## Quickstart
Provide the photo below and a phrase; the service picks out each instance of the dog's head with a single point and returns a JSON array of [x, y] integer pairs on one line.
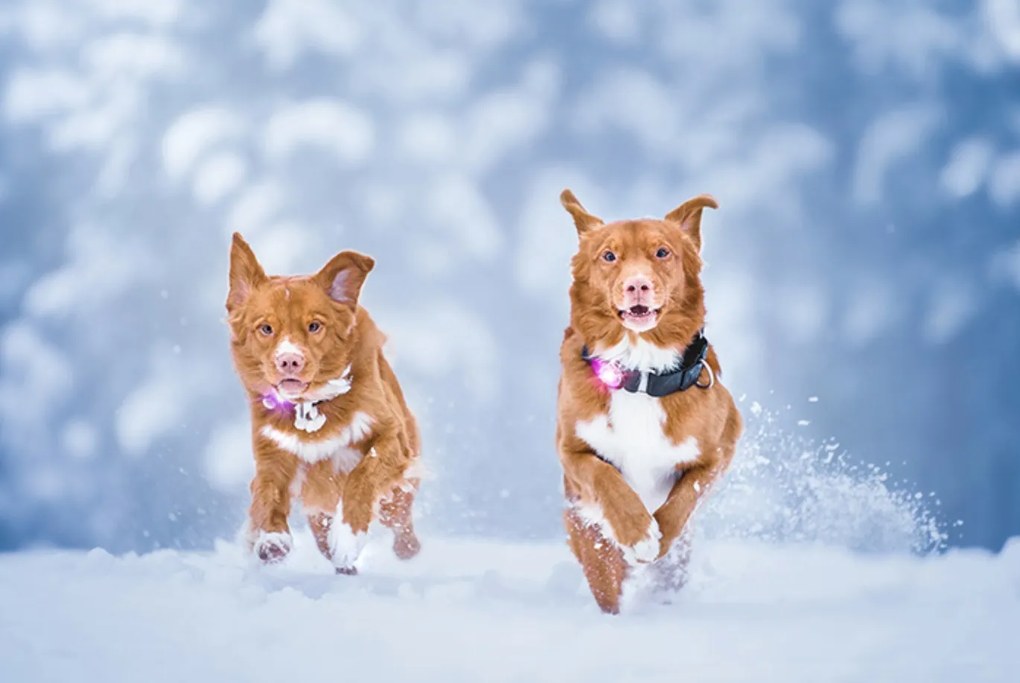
[[293, 334], [639, 275]]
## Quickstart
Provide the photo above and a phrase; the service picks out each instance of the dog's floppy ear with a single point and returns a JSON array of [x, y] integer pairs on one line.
[[583, 220], [688, 215], [344, 275], [245, 272]]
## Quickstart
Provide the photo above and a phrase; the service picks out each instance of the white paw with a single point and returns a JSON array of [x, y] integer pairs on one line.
[[272, 546], [644, 551], [647, 549], [345, 544]]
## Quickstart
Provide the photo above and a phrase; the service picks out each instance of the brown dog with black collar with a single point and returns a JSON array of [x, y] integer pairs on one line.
[[644, 425]]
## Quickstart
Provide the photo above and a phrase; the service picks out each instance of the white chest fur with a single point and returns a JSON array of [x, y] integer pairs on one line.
[[631, 437], [339, 448]]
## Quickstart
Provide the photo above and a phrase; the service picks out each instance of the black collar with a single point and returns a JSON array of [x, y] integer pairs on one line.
[[660, 384]]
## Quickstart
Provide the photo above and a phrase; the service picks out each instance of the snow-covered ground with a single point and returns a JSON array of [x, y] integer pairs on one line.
[[476, 610]]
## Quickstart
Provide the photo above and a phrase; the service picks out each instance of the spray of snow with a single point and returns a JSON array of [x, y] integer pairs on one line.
[[784, 487]]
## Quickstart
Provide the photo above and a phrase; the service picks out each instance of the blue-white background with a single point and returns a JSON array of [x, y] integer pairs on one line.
[[863, 270]]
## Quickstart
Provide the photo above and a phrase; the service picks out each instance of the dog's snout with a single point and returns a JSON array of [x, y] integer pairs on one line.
[[638, 284], [636, 290], [290, 363]]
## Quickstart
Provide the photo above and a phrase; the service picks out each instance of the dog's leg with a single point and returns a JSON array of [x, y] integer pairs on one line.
[[602, 561], [630, 524], [269, 535], [320, 496], [694, 483], [378, 472], [672, 516], [319, 522], [395, 513]]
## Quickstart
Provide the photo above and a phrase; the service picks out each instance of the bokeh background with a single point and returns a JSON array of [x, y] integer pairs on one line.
[[863, 270]]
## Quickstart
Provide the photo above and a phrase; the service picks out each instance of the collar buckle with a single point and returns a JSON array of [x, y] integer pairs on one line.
[[711, 377]]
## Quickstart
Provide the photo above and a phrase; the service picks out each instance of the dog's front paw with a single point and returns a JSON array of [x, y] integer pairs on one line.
[[647, 549], [346, 545], [272, 546]]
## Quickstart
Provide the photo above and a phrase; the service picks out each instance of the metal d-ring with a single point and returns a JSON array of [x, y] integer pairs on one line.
[[711, 377]]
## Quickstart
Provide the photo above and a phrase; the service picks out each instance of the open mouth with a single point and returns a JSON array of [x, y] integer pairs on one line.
[[291, 388], [639, 318]]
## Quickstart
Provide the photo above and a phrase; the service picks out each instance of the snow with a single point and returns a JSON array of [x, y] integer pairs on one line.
[[123, 178], [133, 55], [227, 460], [471, 609], [280, 245], [289, 28], [1005, 265], [456, 204], [890, 138], [193, 133], [80, 438], [616, 20], [256, 206], [967, 166], [144, 11], [953, 305], [1003, 21], [545, 240], [508, 120], [881, 45], [329, 124], [424, 344], [152, 409], [42, 92], [427, 137], [40, 376], [872, 307], [1004, 185], [217, 177]]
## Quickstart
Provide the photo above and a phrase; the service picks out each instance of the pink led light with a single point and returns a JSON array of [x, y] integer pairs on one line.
[[272, 401], [609, 374]]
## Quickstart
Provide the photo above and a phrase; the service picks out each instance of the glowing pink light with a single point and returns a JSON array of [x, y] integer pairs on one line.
[[609, 374], [272, 401]]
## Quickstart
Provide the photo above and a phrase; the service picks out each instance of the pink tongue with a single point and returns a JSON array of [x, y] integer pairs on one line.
[[292, 385]]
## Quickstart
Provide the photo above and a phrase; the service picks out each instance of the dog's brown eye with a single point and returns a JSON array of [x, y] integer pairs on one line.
[[314, 326], [608, 256], [266, 329], [663, 252]]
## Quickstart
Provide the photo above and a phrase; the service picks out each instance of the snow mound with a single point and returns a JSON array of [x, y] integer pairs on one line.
[[470, 610]]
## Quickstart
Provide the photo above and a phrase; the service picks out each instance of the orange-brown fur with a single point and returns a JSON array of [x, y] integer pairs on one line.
[[382, 484], [708, 415]]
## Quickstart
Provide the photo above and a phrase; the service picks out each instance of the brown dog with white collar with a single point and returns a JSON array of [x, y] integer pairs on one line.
[[644, 425], [330, 426]]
